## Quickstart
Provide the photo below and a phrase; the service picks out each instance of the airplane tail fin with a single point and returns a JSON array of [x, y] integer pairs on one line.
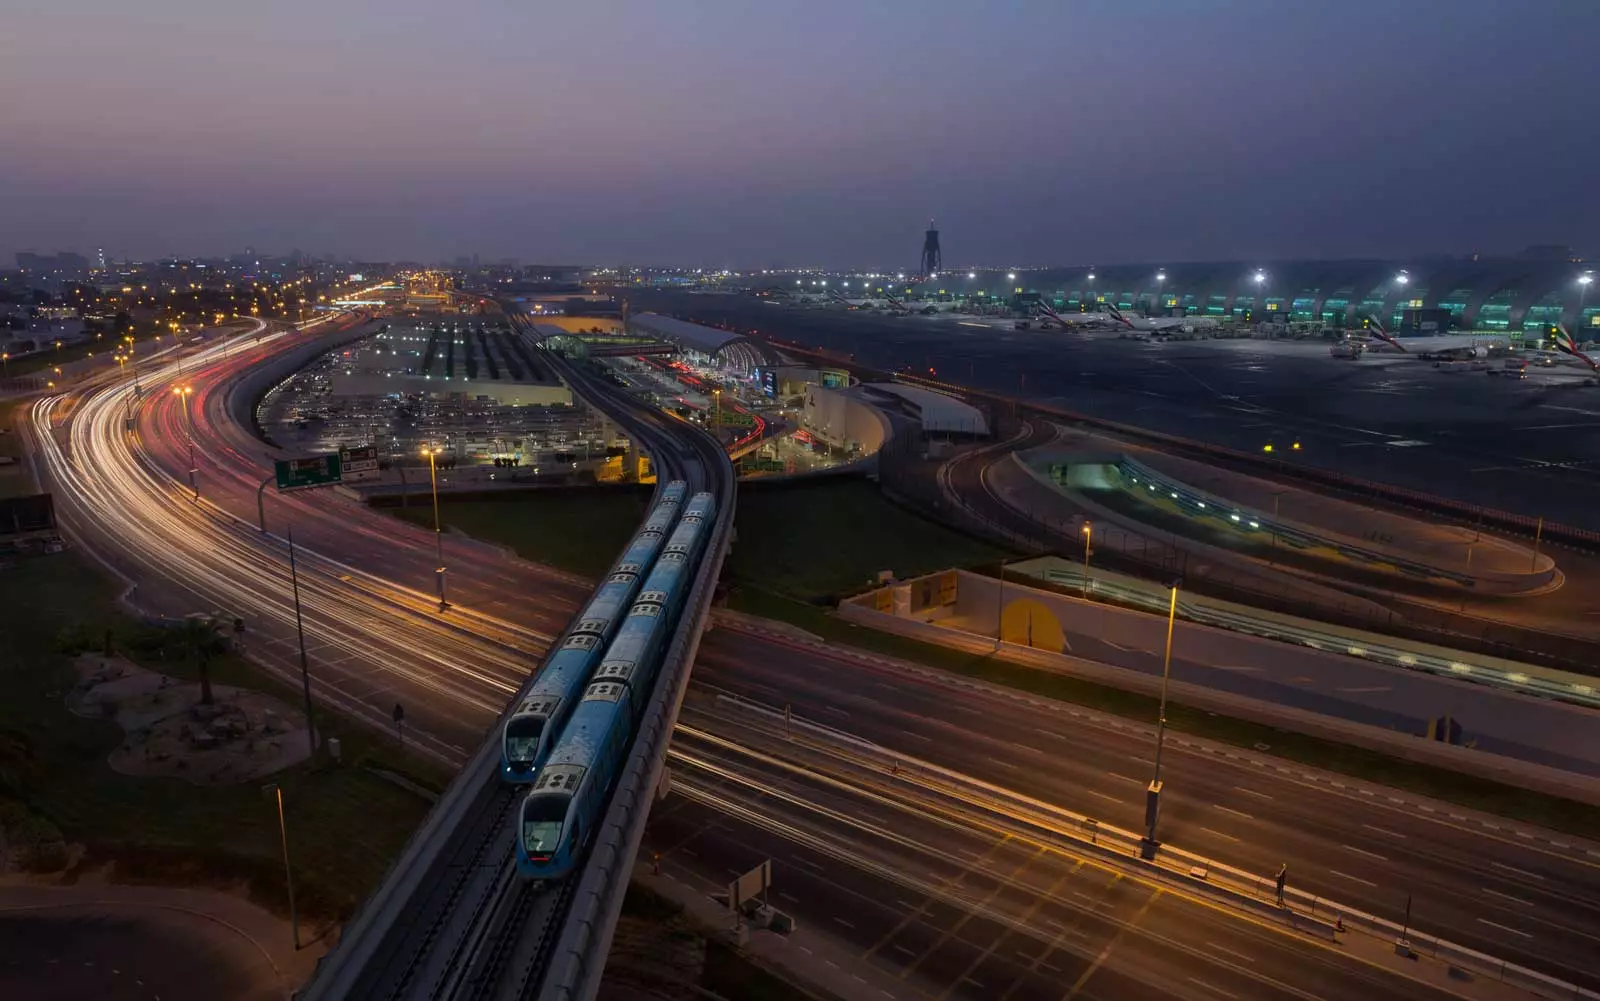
[[1383, 335], [1116, 314], [1566, 345]]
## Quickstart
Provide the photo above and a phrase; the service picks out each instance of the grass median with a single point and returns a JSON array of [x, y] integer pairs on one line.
[[345, 822]]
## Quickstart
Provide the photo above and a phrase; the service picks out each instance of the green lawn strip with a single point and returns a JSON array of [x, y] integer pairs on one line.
[[15, 478], [345, 823], [830, 537], [580, 531], [1471, 791]]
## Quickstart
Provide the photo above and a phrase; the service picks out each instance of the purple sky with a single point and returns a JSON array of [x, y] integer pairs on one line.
[[764, 132]]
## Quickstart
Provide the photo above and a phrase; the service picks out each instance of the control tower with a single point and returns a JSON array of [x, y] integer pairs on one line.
[[932, 261]]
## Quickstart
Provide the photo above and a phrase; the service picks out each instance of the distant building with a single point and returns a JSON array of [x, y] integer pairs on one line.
[[1529, 292]]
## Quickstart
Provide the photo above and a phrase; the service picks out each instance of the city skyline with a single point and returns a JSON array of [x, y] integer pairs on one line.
[[799, 134]]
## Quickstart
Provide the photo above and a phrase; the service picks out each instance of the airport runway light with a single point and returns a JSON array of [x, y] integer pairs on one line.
[[1152, 806], [438, 528]]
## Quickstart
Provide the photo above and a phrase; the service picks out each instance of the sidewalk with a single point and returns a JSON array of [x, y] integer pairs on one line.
[[806, 955], [255, 945]]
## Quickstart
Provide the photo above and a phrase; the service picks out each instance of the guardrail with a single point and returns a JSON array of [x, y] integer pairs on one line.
[[1182, 868], [1532, 681], [579, 957], [1212, 508]]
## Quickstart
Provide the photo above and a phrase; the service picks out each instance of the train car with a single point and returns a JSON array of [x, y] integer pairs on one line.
[[546, 702], [573, 783], [632, 657], [558, 815]]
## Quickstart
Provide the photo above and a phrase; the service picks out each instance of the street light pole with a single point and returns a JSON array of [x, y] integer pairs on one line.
[[1152, 804], [438, 527], [1088, 530], [288, 874], [300, 634]]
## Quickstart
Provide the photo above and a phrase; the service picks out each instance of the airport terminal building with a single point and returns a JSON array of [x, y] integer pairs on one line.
[[1507, 294]]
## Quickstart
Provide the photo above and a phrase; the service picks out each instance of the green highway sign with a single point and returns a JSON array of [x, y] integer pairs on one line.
[[313, 471]]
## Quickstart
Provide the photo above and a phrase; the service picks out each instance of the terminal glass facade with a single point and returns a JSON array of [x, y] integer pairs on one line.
[[1544, 314], [1305, 305], [1495, 314], [1216, 305], [1337, 305], [1456, 302]]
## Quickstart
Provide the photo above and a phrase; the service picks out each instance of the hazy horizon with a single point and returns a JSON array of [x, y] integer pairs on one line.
[[799, 134]]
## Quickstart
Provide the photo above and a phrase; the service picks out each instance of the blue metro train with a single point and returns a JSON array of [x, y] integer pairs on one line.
[[547, 701], [572, 784]]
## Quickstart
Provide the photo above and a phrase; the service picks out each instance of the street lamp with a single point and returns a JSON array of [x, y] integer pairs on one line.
[[1152, 801], [1088, 531], [288, 875], [438, 528], [183, 392], [1583, 294], [1261, 276]]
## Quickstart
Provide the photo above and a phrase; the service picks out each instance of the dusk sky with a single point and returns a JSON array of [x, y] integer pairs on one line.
[[770, 132]]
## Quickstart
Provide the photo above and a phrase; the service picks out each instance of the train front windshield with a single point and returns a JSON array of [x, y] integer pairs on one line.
[[542, 817], [522, 741]]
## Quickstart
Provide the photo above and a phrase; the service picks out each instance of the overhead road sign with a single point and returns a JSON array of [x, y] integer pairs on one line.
[[312, 471], [358, 463]]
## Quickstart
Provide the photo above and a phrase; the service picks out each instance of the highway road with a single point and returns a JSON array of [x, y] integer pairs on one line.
[[1530, 902], [1530, 446], [374, 640], [955, 902], [372, 643]]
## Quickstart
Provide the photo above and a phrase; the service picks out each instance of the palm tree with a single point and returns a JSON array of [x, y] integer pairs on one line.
[[201, 640]]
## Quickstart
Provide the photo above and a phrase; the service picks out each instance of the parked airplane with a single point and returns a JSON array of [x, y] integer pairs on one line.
[[1161, 323], [1442, 348]]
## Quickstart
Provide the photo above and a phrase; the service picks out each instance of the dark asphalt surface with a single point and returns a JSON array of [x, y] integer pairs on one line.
[[956, 913], [1495, 892], [65, 957], [1531, 446]]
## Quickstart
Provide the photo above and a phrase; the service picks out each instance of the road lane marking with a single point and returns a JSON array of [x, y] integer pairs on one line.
[[1124, 778], [1212, 987], [1102, 795], [1507, 896], [1229, 809], [1050, 733], [844, 922], [1519, 872], [1236, 955], [1252, 792], [919, 736], [1353, 879], [1496, 924], [1385, 833], [1218, 833], [1363, 851]]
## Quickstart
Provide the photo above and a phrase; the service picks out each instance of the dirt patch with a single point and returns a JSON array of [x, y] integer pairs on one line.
[[241, 736]]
